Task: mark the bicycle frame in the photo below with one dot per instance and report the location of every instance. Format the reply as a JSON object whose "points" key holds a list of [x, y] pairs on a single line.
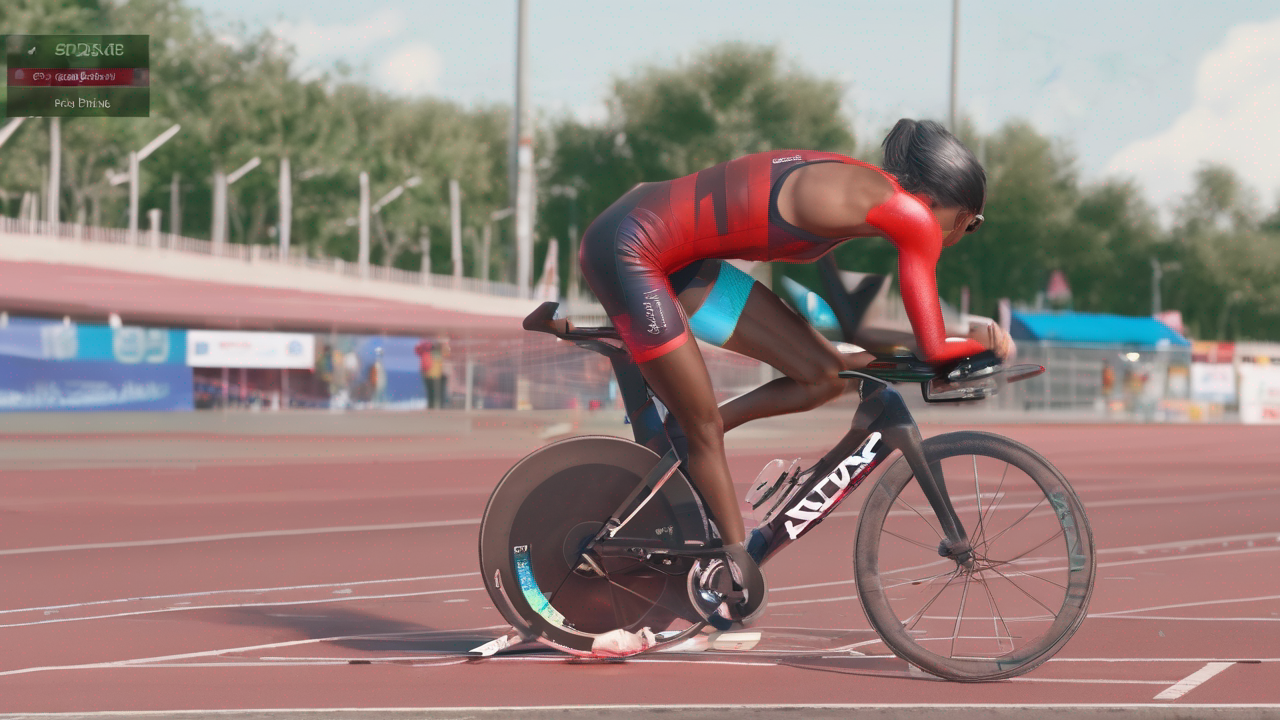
{"points": [[881, 425]]}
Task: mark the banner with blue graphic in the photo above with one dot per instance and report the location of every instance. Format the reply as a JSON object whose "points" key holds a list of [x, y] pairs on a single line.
{"points": [[53, 340], [28, 384]]}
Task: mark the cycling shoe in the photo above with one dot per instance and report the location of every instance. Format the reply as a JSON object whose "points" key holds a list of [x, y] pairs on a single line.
{"points": [[743, 589], [620, 643]]}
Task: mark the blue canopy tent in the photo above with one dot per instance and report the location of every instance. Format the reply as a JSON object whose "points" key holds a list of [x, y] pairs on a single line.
{"points": [[1093, 329]]}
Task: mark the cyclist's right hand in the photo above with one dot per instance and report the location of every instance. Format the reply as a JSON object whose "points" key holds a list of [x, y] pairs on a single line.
{"points": [[992, 337]]}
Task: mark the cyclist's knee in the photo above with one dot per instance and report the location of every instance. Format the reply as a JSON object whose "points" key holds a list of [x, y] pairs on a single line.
{"points": [[821, 379], [705, 431]]}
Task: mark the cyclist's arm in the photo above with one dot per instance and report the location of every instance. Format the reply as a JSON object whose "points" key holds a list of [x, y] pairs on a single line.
{"points": [[914, 231]]}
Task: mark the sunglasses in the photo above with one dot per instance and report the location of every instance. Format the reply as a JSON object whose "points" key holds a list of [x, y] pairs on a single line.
{"points": [[973, 225]]}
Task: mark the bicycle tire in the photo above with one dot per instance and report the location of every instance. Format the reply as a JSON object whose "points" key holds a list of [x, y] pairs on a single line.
{"points": [[1071, 517], [544, 510]]}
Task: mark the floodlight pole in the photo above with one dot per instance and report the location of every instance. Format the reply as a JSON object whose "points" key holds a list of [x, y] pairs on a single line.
{"points": [[134, 159], [55, 171], [221, 183], [8, 130], [524, 200], [363, 222], [285, 226], [175, 205], [219, 230], [955, 59], [367, 211], [455, 230], [571, 192], [487, 241]]}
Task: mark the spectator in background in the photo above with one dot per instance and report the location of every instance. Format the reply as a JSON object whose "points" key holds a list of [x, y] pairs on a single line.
{"points": [[439, 378], [337, 379], [350, 364], [423, 349], [378, 379]]}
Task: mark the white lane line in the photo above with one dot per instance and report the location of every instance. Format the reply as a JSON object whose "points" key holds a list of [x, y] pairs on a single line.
{"points": [[808, 602], [1189, 604], [1040, 571], [1082, 681], [185, 608], [241, 536], [202, 654], [1177, 660], [1162, 559], [1178, 544], [1180, 618], [1192, 681], [206, 593], [887, 575], [1122, 503], [514, 710], [702, 662]]}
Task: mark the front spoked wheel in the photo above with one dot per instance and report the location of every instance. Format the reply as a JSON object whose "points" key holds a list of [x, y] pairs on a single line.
{"points": [[1027, 589]]}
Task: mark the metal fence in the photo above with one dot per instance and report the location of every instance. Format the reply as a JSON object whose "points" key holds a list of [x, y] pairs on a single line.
{"points": [[539, 372], [251, 253]]}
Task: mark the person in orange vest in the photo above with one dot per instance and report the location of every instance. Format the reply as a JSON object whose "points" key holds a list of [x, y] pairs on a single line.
{"points": [[425, 364], [378, 379]]}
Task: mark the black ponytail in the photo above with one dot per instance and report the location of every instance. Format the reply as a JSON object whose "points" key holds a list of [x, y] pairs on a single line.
{"points": [[928, 160]]}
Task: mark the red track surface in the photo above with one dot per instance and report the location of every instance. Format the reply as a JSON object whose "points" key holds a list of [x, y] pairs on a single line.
{"points": [[320, 569]]}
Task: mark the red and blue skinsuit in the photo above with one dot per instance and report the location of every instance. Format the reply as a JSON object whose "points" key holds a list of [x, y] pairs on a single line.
{"points": [[730, 212]]}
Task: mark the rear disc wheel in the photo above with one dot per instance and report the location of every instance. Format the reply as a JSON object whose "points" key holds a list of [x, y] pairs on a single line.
{"points": [[542, 515]]}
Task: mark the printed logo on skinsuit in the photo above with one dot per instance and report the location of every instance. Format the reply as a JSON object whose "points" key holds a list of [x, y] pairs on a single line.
{"points": [[824, 494], [654, 314], [793, 158]]}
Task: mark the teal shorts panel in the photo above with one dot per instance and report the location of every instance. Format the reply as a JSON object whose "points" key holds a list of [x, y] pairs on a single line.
{"points": [[715, 321]]}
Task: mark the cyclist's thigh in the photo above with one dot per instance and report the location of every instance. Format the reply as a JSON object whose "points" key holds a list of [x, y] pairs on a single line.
{"points": [[768, 330], [621, 270], [713, 294]]}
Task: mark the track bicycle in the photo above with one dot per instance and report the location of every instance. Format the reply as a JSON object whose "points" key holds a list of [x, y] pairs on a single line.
{"points": [[597, 533]]}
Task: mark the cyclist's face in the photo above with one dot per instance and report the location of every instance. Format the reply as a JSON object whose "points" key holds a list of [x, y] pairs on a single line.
{"points": [[965, 222]]}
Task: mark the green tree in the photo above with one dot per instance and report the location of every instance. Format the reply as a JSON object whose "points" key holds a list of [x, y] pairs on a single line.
{"points": [[1112, 238], [1227, 287], [1031, 195]]}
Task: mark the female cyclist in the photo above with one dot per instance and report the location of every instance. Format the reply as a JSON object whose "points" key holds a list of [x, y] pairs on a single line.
{"points": [[654, 259]]}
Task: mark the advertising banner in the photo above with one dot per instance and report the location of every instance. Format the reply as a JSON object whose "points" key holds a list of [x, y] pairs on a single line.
{"points": [[236, 349], [1214, 382], [75, 385], [30, 337], [38, 338], [1213, 352], [132, 345], [1260, 393]]}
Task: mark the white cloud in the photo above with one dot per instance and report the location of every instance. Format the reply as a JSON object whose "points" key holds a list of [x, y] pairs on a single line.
{"points": [[411, 69], [593, 112], [315, 42], [1234, 119]]}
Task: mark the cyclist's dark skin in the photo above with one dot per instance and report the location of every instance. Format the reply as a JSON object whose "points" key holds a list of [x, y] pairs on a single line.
{"points": [[827, 199]]}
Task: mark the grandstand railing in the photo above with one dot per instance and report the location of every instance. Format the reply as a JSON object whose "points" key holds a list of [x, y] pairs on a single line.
{"points": [[252, 254]]}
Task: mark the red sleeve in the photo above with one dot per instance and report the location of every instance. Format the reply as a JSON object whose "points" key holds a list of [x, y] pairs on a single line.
{"points": [[912, 228]]}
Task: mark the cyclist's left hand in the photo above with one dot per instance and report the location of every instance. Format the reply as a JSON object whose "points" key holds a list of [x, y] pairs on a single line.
{"points": [[992, 337]]}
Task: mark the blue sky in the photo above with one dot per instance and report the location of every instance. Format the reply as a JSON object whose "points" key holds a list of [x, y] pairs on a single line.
{"points": [[1136, 88]]}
